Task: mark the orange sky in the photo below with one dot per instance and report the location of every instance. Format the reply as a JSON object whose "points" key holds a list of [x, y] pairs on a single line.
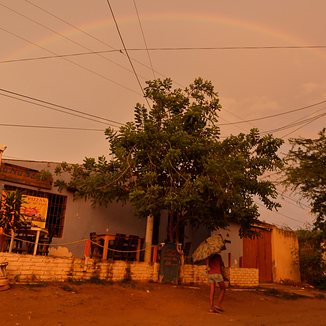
{"points": [[252, 83]]}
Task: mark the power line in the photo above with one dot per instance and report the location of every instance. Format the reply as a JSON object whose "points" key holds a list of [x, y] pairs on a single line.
{"points": [[123, 44], [58, 56], [159, 49], [294, 124], [235, 48], [67, 38], [45, 104], [91, 36], [74, 63], [49, 127], [307, 123], [141, 28], [277, 212], [274, 115]]}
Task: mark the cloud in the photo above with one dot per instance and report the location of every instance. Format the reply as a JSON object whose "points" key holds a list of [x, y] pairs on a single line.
{"points": [[311, 87]]}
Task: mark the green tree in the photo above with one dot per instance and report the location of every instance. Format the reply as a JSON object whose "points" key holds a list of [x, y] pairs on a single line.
{"points": [[311, 257], [305, 171], [171, 158]]}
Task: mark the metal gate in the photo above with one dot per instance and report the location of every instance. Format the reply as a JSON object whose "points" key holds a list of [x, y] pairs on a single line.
{"points": [[257, 253]]}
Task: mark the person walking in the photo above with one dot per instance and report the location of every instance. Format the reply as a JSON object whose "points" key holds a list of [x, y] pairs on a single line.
{"points": [[214, 274]]}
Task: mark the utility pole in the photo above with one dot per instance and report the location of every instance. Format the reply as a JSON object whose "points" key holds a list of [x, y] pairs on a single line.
{"points": [[149, 238]]}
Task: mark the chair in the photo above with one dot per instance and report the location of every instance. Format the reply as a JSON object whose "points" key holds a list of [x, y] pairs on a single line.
{"points": [[186, 250], [118, 248], [24, 241], [131, 248], [96, 250], [44, 243]]}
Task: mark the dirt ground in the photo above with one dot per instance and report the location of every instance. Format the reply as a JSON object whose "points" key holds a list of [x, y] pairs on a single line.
{"points": [[70, 304]]}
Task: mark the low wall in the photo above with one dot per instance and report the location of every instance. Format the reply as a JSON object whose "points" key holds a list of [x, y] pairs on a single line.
{"points": [[29, 268], [243, 277]]}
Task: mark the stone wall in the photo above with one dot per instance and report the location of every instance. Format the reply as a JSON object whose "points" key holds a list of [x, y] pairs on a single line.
{"points": [[29, 268]]}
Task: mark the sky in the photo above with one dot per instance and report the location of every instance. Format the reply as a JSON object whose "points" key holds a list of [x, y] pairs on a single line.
{"points": [[69, 69]]}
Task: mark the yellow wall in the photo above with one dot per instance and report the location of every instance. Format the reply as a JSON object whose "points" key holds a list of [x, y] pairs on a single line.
{"points": [[284, 243]]}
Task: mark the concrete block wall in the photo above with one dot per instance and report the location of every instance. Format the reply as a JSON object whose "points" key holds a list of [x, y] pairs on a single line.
{"points": [[244, 277], [193, 274], [29, 268]]}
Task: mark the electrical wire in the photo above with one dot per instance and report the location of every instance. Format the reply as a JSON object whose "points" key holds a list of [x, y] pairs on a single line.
{"points": [[154, 49], [56, 56], [278, 213], [46, 104], [74, 63], [49, 127], [275, 115], [69, 39], [91, 36], [294, 124], [129, 59], [144, 39]]}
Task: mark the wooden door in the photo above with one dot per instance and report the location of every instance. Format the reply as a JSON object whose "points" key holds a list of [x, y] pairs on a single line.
{"points": [[257, 253]]}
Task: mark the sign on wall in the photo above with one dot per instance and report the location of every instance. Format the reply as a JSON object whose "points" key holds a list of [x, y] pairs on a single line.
{"points": [[36, 209], [19, 174], [169, 264]]}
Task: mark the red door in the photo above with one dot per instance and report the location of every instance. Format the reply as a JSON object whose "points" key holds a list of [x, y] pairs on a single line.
{"points": [[257, 253]]}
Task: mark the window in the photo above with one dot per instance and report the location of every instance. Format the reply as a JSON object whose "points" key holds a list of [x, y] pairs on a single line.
{"points": [[56, 209]]}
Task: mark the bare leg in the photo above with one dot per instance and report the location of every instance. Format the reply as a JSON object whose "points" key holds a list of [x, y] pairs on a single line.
{"points": [[221, 296], [211, 295]]}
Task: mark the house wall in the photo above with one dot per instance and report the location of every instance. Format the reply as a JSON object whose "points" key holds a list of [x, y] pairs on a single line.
{"points": [[235, 248], [81, 218], [284, 243]]}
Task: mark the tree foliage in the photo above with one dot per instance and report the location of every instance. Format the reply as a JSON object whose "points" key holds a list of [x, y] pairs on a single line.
{"points": [[11, 216], [312, 257], [171, 158], [306, 172]]}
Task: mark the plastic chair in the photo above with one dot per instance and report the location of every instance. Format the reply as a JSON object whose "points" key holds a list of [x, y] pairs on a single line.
{"points": [[24, 241], [132, 244], [118, 252], [44, 243]]}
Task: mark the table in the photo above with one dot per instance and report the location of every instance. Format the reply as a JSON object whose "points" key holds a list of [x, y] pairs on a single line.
{"points": [[111, 237], [32, 230], [38, 232]]}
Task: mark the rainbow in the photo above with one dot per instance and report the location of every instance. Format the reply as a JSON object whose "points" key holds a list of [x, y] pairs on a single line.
{"points": [[286, 39]]}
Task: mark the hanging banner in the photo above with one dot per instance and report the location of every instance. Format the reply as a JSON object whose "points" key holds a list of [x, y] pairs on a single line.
{"points": [[36, 209]]}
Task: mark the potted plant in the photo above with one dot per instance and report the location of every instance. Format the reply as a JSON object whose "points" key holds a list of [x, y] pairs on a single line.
{"points": [[11, 217]]}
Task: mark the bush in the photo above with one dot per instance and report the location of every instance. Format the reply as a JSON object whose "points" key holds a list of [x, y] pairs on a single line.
{"points": [[311, 261]]}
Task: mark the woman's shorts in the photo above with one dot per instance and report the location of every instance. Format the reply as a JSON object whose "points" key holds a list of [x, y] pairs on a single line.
{"points": [[217, 278]]}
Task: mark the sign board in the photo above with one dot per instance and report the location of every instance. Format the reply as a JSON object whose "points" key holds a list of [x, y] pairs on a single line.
{"points": [[19, 174], [36, 209], [169, 264]]}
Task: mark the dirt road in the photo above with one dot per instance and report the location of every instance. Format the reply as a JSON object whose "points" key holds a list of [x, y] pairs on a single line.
{"points": [[132, 304]]}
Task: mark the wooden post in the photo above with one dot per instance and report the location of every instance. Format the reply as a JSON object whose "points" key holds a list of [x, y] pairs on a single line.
{"points": [[155, 254], [87, 245]]}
